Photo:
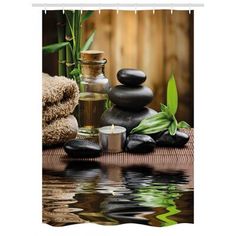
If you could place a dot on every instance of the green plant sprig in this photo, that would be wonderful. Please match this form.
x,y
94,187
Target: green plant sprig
x,y
71,43
164,120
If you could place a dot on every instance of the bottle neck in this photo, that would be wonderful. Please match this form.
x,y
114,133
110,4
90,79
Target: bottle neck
x,y
91,70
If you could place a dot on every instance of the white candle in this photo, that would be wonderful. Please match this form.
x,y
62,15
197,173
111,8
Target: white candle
x,y
112,138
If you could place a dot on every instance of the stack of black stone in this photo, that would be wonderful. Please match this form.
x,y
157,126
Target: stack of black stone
x,y
129,100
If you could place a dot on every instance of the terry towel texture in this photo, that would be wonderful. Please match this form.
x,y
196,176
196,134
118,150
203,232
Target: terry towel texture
x,y
59,99
60,130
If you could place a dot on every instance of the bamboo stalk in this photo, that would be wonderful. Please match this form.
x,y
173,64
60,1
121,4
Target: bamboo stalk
x,y
76,28
77,42
60,37
69,38
77,36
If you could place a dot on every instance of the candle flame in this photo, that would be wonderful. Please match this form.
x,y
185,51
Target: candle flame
x,y
112,128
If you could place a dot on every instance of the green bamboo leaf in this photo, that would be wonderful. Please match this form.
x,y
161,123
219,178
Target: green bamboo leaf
x,y
152,129
165,109
88,42
54,47
159,115
172,95
154,124
183,124
75,72
85,16
108,104
156,129
152,120
172,128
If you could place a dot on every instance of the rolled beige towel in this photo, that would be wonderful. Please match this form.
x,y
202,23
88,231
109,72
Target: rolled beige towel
x,y
59,97
60,131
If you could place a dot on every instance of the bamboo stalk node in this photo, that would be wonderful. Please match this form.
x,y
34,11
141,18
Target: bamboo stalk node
x,y
68,38
70,64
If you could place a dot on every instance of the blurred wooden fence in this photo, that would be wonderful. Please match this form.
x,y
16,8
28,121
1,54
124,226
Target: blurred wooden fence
x,y
158,44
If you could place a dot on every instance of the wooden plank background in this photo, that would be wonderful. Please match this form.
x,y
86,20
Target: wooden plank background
x,y
158,44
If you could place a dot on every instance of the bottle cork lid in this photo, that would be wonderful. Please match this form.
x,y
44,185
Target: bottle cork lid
x,y
91,55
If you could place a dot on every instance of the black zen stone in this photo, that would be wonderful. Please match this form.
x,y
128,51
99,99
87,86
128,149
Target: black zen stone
x,y
131,77
156,136
177,140
78,148
139,143
125,118
134,98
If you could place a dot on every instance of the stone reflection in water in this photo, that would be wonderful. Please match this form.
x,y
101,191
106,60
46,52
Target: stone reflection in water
x,y
156,190
149,190
108,194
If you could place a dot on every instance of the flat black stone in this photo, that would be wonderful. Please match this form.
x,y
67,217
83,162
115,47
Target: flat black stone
x,y
125,118
139,143
131,77
177,140
156,136
134,98
78,148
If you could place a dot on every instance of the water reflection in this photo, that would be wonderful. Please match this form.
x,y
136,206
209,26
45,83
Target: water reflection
x,y
86,191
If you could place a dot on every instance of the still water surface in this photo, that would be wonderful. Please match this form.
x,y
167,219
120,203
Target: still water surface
x,y
85,191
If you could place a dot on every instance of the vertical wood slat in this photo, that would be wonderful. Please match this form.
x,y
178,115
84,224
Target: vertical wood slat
x,y
151,52
178,59
123,49
116,46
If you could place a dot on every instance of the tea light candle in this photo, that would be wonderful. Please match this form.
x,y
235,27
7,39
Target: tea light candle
x,y
112,138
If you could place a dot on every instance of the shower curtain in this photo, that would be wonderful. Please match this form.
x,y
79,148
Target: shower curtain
x,y
154,188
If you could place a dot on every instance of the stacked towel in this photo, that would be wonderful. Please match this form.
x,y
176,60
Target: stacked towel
x,y
59,99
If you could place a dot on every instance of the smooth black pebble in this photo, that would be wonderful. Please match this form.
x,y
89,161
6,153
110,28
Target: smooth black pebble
x,y
139,143
131,77
125,118
156,136
133,98
177,140
78,148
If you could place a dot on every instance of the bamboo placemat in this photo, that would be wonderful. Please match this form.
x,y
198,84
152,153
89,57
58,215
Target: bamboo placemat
x,y
161,158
